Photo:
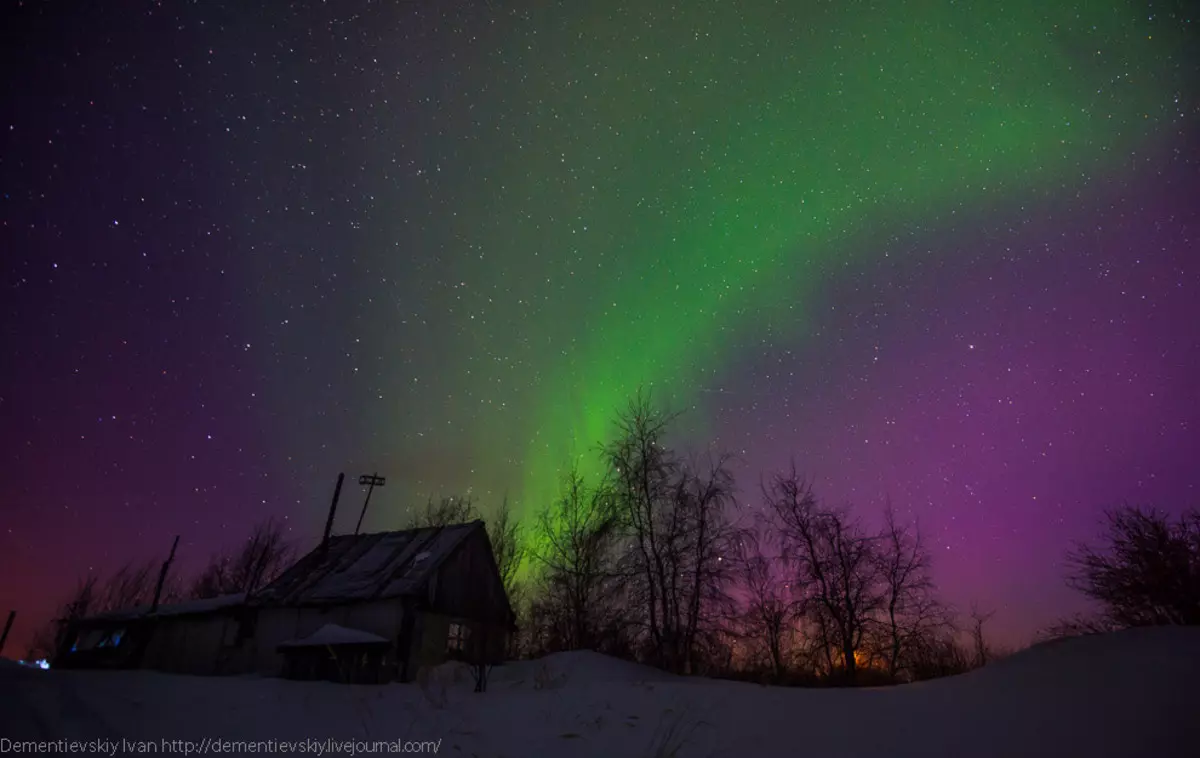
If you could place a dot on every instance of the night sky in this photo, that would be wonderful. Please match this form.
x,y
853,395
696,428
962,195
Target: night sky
x,y
940,252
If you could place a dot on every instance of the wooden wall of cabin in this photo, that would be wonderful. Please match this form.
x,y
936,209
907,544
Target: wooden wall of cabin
x,y
187,644
467,585
429,640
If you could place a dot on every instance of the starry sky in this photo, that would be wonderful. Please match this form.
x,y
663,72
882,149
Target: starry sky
x,y
942,253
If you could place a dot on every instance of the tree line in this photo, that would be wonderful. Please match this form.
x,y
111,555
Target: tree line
x,y
654,560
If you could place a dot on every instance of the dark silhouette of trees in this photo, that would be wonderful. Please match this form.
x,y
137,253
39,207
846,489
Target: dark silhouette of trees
x,y
254,564
704,497
1144,572
642,471
508,546
768,613
982,651
450,509
503,528
676,522
574,550
911,612
130,586
939,654
835,561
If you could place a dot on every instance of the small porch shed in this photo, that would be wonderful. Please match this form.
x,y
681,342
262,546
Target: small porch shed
x,y
336,654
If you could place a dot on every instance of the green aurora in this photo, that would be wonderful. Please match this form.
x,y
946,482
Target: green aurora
x,y
663,185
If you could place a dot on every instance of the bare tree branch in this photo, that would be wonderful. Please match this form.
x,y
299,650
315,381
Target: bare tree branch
x,y
1146,572
249,567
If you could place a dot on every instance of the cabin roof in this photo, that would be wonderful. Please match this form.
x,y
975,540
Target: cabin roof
x,y
205,605
359,567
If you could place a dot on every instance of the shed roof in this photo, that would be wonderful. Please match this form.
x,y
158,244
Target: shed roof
x,y
358,567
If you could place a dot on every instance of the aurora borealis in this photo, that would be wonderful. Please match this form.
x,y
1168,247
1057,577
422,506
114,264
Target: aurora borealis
x,y
937,252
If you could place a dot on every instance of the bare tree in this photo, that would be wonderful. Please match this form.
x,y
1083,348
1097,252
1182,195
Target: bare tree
x,y
573,547
939,654
911,610
504,531
129,588
1076,626
769,611
507,537
81,603
449,509
503,528
257,562
1146,572
836,560
704,494
678,527
978,640
643,471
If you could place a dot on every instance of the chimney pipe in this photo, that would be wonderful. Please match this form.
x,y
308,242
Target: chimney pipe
x,y
337,491
162,575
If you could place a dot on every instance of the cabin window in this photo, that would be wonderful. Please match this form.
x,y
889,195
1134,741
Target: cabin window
x,y
456,640
89,640
112,639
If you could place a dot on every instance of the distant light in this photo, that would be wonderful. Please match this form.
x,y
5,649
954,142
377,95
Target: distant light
x,y
43,664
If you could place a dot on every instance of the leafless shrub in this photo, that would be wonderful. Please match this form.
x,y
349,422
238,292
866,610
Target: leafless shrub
x,y
449,509
130,586
672,733
938,655
252,565
1076,626
979,644
1145,572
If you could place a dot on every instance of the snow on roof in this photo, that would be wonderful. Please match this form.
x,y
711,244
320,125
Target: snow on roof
x,y
332,634
204,605
357,567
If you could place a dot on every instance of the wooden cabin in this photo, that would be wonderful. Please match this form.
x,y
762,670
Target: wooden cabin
x,y
433,594
395,601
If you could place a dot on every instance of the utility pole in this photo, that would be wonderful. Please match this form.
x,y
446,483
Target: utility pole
x,y
371,481
162,575
7,627
337,492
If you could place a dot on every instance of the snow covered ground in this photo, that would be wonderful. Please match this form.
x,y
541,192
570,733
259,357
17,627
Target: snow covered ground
x,y
1135,693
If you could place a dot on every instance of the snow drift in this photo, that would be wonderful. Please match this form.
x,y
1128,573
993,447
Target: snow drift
x,y
1127,694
